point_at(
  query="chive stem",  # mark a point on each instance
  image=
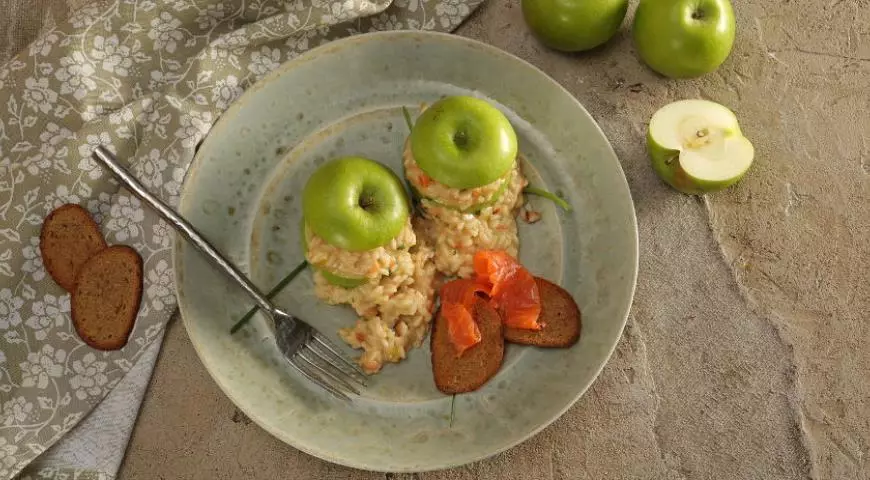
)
(540, 192)
(275, 290)
(407, 115)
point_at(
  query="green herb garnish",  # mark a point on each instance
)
(407, 115)
(548, 195)
(280, 286)
(452, 409)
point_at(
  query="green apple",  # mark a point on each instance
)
(463, 142)
(684, 38)
(355, 204)
(696, 146)
(574, 25)
(335, 279)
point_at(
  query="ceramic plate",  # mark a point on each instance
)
(345, 98)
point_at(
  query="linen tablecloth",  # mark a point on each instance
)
(147, 79)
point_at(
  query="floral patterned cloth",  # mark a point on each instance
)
(147, 79)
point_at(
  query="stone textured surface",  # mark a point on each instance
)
(744, 355)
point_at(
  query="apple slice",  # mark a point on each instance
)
(696, 146)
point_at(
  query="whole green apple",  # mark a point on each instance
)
(333, 278)
(574, 25)
(463, 142)
(355, 203)
(684, 38)
(696, 146)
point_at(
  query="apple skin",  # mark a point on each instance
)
(574, 25)
(684, 38)
(338, 280)
(666, 163)
(355, 204)
(463, 142)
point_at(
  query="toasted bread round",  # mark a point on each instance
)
(69, 237)
(560, 316)
(477, 364)
(106, 299)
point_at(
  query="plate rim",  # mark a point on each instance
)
(196, 162)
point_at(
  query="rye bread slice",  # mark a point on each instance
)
(560, 315)
(477, 364)
(69, 237)
(106, 299)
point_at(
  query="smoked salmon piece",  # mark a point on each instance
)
(560, 314)
(457, 300)
(512, 289)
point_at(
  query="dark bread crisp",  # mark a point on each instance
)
(477, 364)
(106, 299)
(69, 237)
(560, 316)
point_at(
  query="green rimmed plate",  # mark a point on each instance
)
(243, 192)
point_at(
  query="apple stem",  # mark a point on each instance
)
(540, 192)
(407, 115)
(275, 290)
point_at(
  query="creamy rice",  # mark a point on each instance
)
(462, 199)
(370, 264)
(395, 306)
(457, 236)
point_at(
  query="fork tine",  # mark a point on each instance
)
(326, 371)
(336, 354)
(317, 380)
(325, 358)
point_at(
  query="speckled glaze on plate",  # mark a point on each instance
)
(243, 192)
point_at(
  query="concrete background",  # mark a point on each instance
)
(744, 356)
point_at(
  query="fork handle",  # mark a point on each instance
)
(181, 225)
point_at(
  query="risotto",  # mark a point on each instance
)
(395, 306)
(370, 264)
(456, 236)
(461, 199)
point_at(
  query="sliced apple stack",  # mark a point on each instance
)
(696, 146)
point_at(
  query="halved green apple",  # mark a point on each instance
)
(696, 146)
(337, 280)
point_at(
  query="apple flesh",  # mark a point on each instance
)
(463, 142)
(355, 204)
(684, 38)
(696, 146)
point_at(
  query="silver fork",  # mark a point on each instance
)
(306, 350)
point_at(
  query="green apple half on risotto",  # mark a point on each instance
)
(358, 236)
(461, 161)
